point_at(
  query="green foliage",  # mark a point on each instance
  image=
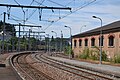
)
(68, 50)
(8, 28)
(85, 53)
(116, 59)
(93, 54)
(104, 56)
(13, 39)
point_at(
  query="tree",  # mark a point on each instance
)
(8, 28)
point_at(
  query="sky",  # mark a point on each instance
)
(55, 20)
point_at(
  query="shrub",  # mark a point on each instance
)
(85, 54)
(117, 59)
(67, 50)
(93, 54)
(104, 56)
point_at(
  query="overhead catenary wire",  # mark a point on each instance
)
(32, 7)
(25, 12)
(16, 20)
(19, 19)
(30, 15)
(16, 2)
(69, 2)
(56, 3)
(32, 2)
(51, 14)
(40, 3)
(60, 16)
(85, 5)
(40, 12)
(35, 9)
(27, 9)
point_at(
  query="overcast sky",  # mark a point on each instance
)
(107, 10)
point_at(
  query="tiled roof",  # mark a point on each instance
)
(113, 27)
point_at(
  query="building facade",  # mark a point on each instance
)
(110, 40)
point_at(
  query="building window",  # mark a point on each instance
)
(93, 42)
(111, 40)
(80, 42)
(101, 41)
(86, 42)
(75, 43)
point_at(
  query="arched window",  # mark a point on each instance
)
(86, 42)
(75, 43)
(80, 42)
(101, 41)
(111, 40)
(93, 42)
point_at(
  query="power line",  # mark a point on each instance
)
(56, 3)
(32, 2)
(40, 3)
(69, 2)
(16, 2)
(31, 14)
(71, 13)
(39, 7)
(35, 9)
(20, 20)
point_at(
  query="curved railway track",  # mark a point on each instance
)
(81, 73)
(27, 71)
(43, 67)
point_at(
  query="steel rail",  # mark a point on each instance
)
(96, 75)
(17, 63)
(24, 66)
(62, 68)
(77, 69)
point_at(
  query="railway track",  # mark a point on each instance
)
(43, 67)
(81, 73)
(27, 71)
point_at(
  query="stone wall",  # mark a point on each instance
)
(110, 50)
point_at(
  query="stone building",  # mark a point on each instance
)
(110, 40)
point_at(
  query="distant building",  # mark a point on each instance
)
(89, 39)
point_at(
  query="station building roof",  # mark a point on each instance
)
(112, 27)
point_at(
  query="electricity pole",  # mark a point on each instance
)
(19, 39)
(3, 32)
(24, 6)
